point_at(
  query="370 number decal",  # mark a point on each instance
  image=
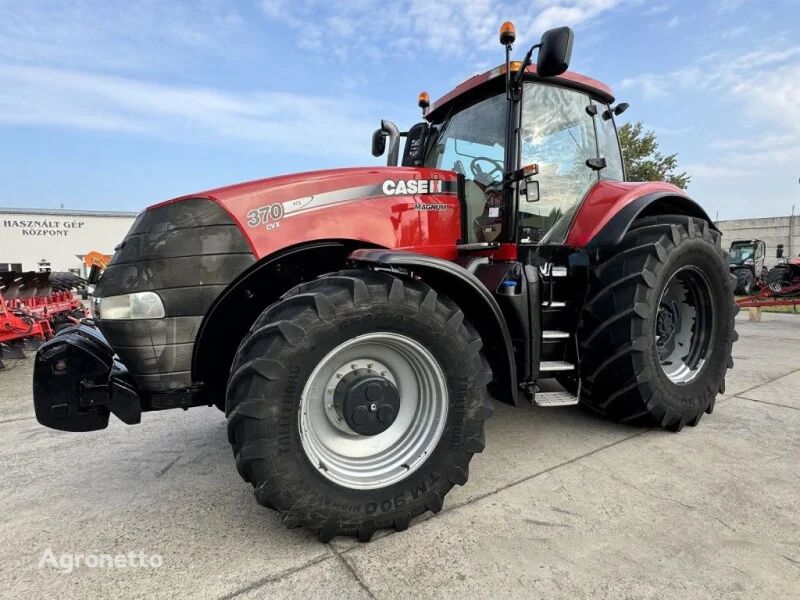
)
(269, 216)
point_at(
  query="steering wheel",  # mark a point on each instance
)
(482, 176)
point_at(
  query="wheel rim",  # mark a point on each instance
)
(684, 326)
(361, 461)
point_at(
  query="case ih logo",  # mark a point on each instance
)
(404, 187)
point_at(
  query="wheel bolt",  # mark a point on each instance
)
(354, 366)
(373, 407)
(369, 365)
(383, 373)
(338, 376)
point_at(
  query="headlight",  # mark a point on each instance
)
(141, 305)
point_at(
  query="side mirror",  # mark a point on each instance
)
(530, 185)
(779, 251)
(621, 108)
(531, 190)
(555, 51)
(378, 143)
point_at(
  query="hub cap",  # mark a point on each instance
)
(372, 410)
(684, 325)
(367, 402)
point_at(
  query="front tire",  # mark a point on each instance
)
(298, 432)
(658, 326)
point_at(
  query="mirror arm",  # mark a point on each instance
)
(526, 62)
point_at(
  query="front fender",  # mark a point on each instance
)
(479, 306)
(607, 211)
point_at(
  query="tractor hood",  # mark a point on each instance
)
(187, 251)
(391, 207)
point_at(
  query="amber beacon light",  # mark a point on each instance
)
(508, 33)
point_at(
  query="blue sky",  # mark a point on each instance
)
(117, 105)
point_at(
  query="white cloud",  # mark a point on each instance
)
(729, 5)
(292, 123)
(133, 36)
(734, 32)
(447, 27)
(656, 9)
(754, 168)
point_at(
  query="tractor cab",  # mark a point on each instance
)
(529, 144)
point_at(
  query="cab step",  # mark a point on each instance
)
(551, 270)
(559, 398)
(553, 304)
(555, 365)
(553, 334)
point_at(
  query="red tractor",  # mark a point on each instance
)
(353, 324)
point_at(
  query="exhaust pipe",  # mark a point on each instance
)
(379, 142)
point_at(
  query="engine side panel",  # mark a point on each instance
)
(414, 209)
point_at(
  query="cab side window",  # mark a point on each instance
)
(607, 145)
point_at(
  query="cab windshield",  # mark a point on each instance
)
(742, 252)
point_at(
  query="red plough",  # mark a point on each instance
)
(33, 306)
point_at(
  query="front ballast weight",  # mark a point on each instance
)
(78, 383)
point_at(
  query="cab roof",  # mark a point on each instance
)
(475, 84)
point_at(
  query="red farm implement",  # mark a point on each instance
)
(790, 296)
(33, 306)
(782, 286)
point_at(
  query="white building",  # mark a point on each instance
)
(40, 239)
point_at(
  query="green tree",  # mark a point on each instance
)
(643, 161)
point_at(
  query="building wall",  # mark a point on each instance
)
(773, 231)
(28, 236)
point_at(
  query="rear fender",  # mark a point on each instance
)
(610, 208)
(479, 306)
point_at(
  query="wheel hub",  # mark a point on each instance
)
(668, 322)
(367, 402)
(684, 325)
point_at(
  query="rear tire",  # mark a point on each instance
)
(302, 466)
(668, 271)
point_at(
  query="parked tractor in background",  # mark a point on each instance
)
(784, 278)
(747, 265)
(355, 324)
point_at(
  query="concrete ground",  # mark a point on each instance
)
(560, 505)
